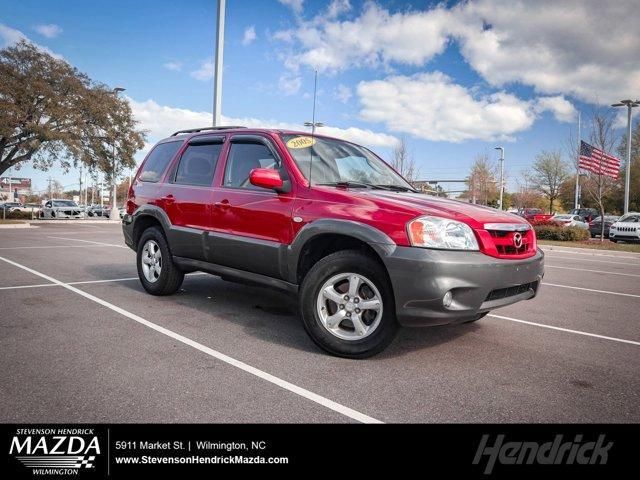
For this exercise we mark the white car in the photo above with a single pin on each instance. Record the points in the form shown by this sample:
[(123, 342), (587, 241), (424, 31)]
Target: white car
[(570, 221), (61, 208), (626, 229), (27, 208)]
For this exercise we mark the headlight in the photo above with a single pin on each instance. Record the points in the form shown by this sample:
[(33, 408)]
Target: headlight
[(435, 232)]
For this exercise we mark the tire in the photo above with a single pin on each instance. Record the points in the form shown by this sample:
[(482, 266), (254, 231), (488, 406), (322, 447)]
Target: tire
[(170, 277), (377, 326), (477, 317), (593, 235), (613, 241)]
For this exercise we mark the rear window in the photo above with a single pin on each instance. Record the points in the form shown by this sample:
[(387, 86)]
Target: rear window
[(158, 160)]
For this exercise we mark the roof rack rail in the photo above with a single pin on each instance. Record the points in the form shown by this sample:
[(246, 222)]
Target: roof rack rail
[(193, 130)]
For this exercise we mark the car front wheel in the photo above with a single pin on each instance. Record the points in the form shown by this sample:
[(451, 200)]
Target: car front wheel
[(347, 305), (156, 270)]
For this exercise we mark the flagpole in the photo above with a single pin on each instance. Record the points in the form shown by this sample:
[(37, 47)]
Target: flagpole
[(578, 166)]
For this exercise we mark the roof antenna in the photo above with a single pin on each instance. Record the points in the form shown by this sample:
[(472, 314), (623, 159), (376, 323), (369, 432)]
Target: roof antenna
[(313, 125)]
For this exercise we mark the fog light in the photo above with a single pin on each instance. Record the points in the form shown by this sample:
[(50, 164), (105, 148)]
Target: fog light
[(447, 299)]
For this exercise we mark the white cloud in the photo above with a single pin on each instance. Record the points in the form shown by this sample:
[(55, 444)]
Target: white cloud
[(173, 66), (11, 36), (337, 8), (295, 5), (573, 47), (205, 72), (161, 121), (50, 30), (343, 93), (249, 35), (432, 107), (289, 85), (375, 37), (562, 109)]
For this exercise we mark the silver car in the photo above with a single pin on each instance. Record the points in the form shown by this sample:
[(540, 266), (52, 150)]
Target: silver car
[(61, 208)]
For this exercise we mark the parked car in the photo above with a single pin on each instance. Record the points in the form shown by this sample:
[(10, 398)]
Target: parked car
[(534, 214), (595, 225), (98, 211), (328, 221), (626, 228), (587, 214), (567, 220), (27, 208), (7, 206), (61, 208)]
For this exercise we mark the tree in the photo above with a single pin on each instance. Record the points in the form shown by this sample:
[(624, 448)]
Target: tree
[(599, 187), (403, 162), (52, 113), (547, 174), (634, 187), (481, 182)]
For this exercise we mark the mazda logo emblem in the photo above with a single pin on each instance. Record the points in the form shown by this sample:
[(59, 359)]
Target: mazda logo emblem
[(517, 239)]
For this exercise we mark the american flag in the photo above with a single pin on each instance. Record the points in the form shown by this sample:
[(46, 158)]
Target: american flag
[(597, 161)]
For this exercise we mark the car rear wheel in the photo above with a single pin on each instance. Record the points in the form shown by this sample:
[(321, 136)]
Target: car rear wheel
[(347, 305), (156, 270)]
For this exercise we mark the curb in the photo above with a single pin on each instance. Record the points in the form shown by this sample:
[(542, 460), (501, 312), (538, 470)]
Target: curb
[(74, 221), (18, 225)]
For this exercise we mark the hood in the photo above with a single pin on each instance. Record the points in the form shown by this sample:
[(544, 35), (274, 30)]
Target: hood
[(421, 204)]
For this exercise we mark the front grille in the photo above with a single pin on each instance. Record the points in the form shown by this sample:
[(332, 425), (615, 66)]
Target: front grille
[(501, 293), (626, 229), (505, 244)]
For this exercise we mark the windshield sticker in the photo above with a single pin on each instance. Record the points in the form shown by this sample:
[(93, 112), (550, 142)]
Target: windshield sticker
[(301, 142)]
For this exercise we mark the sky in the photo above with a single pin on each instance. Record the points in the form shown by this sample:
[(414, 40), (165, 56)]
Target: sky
[(455, 79)]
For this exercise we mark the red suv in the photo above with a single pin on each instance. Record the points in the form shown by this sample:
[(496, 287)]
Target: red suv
[(329, 221)]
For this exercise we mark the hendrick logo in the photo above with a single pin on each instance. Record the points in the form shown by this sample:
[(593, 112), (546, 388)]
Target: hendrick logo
[(55, 451), (556, 452)]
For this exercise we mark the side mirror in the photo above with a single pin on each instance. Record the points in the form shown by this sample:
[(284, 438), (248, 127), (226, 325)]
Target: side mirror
[(266, 178)]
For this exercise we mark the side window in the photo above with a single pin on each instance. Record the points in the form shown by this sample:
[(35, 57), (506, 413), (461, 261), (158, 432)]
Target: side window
[(244, 157), (197, 164), (158, 160)]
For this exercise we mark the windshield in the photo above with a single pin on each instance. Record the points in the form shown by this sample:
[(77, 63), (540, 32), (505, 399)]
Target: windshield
[(630, 218), (336, 161), (64, 203)]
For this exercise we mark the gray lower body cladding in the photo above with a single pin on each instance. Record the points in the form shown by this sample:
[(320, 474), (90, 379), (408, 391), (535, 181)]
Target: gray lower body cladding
[(478, 283)]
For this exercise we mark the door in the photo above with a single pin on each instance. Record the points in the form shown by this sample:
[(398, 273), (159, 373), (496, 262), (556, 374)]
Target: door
[(187, 196), (254, 223)]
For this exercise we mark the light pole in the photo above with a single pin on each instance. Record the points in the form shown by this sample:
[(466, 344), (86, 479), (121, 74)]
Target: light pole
[(217, 64), (501, 174), (629, 104), (115, 214)]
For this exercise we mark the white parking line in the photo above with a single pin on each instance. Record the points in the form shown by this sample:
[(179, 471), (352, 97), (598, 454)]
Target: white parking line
[(578, 332), (590, 252), (314, 397), (86, 282), (89, 241), (593, 271), (628, 264), (49, 246), (591, 290)]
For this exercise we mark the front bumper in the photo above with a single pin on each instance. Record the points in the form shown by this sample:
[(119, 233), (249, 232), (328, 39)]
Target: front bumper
[(479, 283)]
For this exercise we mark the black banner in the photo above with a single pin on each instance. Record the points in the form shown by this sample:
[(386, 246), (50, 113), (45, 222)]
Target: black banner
[(481, 451)]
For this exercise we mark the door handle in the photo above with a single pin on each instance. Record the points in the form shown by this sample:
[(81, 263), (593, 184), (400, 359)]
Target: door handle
[(168, 199), (223, 204)]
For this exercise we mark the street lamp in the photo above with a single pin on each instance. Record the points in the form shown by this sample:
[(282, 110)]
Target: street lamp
[(629, 104), (501, 174), (313, 126), (115, 214)]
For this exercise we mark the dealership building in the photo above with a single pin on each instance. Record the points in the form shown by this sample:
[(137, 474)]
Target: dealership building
[(12, 189)]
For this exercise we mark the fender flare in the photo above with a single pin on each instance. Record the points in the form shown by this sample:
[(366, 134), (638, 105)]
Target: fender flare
[(151, 211), (376, 239)]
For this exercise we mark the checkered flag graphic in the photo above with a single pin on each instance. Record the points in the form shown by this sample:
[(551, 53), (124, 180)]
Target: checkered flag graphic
[(85, 462)]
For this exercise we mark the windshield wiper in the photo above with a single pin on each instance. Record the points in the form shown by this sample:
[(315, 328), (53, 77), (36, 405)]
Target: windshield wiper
[(398, 188), (354, 184)]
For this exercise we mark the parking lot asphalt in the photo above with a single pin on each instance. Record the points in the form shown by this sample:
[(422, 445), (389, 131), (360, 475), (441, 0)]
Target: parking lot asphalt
[(82, 342)]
